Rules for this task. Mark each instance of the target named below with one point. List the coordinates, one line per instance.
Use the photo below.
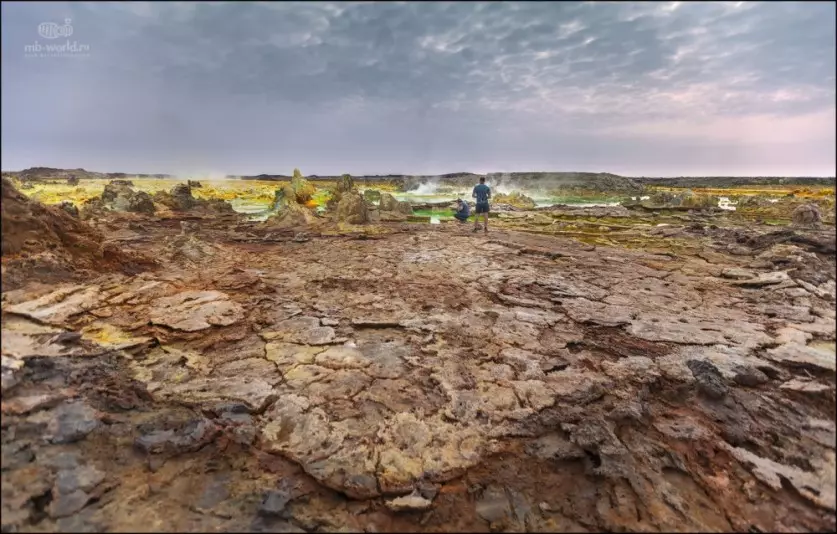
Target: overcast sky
(716, 88)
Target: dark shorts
(482, 207)
(460, 217)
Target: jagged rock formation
(299, 190)
(344, 185)
(179, 198)
(291, 204)
(348, 205)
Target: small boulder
(83, 478)
(70, 208)
(390, 203)
(71, 422)
(119, 196)
(182, 197)
(709, 379)
(218, 205)
(69, 504)
(114, 190)
(413, 502)
(352, 209)
(189, 438)
(806, 214)
(140, 202)
(749, 377)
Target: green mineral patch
(442, 213)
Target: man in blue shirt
(463, 211)
(482, 193)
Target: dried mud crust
(419, 380)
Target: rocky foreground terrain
(196, 371)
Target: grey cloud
(181, 76)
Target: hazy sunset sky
(655, 89)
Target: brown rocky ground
(47, 242)
(403, 377)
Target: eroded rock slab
(19, 346)
(303, 331)
(585, 311)
(192, 311)
(254, 392)
(817, 486)
(71, 422)
(675, 332)
(57, 307)
(764, 279)
(802, 356)
(342, 454)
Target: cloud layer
(729, 88)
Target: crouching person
(463, 211)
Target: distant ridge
(720, 181)
(602, 181)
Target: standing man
(482, 193)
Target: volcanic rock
(352, 209)
(806, 214)
(516, 199)
(389, 203)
